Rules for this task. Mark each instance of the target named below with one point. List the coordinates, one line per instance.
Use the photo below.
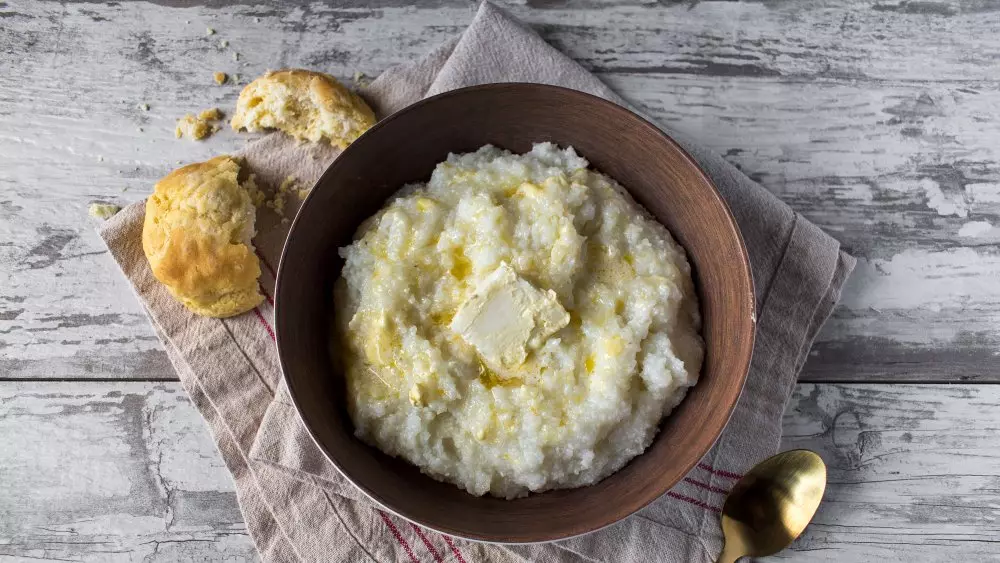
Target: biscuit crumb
(256, 20)
(100, 158)
(103, 211)
(277, 202)
(220, 77)
(209, 31)
(140, 129)
(197, 127)
(256, 195)
(360, 79)
(288, 184)
(144, 107)
(236, 56)
(211, 114)
(303, 192)
(224, 43)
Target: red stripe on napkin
(399, 537)
(427, 542)
(719, 472)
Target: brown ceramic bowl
(405, 147)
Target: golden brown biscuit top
(197, 236)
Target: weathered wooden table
(877, 119)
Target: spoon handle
(730, 553)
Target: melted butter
(380, 336)
(442, 318)
(367, 381)
(488, 430)
(526, 189)
(607, 268)
(462, 267)
(574, 319)
(490, 379)
(417, 396)
(614, 345)
(425, 204)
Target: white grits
(587, 399)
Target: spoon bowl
(771, 506)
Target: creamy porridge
(516, 324)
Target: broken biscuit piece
(309, 106)
(199, 126)
(103, 211)
(197, 237)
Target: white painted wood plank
(112, 472)
(912, 471)
(855, 113)
(124, 471)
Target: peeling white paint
(178, 439)
(118, 524)
(974, 229)
(83, 470)
(921, 280)
(38, 432)
(904, 461)
(857, 192)
(936, 199)
(983, 192)
(796, 93)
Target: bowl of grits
(514, 313)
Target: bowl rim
(730, 225)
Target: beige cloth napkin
(298, 508)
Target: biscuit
(197, 237)
(103, 211)
(199, 126)
(309, 106)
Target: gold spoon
(771, 505)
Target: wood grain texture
(875, 119)
(912, 471)
(126, 471)
(112, 472)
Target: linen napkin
(297, 506)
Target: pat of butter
(506, 315)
